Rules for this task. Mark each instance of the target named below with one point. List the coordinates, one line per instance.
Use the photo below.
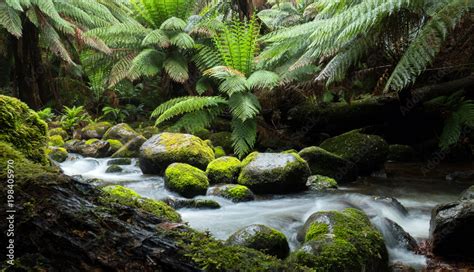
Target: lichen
(23, 129)
(223, 170)
(186, 180)
(127, 197)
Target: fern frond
(182, 40)
(10, 20)
(262, 79)
(177, 68)
(147, 63)
(244, 135)
(244, 106)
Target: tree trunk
(28, 69)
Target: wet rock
(115, 145)
(322, 162)
(149, 131)
(120, 161)
(96, 130)
(163, 149)
(73, 145)
(401, 153)
(265, 173)
(94, 149)
(121, 132)
(401, 267)
(114, 169)
(261, 238)
(130, 149)
(57, 154)
(186, 180)
(368, 152)
(234, 192)
(451, 230)
(395, 236)
(341, 241)
(195, 204)
(464, 176)
(468, 194)
(321, 183)
(223, 170)
(59, 131)
(392, 203)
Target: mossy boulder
(58, 154)
(266, 173)
(234, 192)
(120, 161)
(223, 170)
(23, 129)
(149, 131)
(130, 149)
(95, 130)
(93, 148)
(114, 169)
(222, 139)
(321, 183)
(262, 238)
(166, 148)
(322, 162)
(368, 152)
(56, 140)
(121, 132)
(401, 153)
(115, 145)
(59, 131)
(186, 180)
(195, 204)
(127, 197)
(341, 241)
(219, 151)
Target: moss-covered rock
(219, 151)
(120, 161)
(23, 129)
(224, 170)
(186, 180)
(124, 196)
(401, 153)
(280, 173)
(234, 192)
(114, 169)
(368, 152)
(321, 183)
(92, 148)
(322, 162)
(262, 238)
(95, 130)
(223, 139)
(149, 131)
(195, 204)
(115, 145)
(91, 141)
(166, 148)
(59, 131)
(341, 241)
(56, 140)
(130, 149)
(121, 132)
(58, 154)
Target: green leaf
(263, 80)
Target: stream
(288, 213)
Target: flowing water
(288, 213)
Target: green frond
(10, 20)
(203, 85)
(244, 106)
(51, 40)
(427, 43)
(244, 135)
(182, 40)
(157, 37)
(173, 24)
(191, 104)
(206, 57)
(48, 8)
(147, 63)
(167, 105)
(177, 68)
(263, 80)
(222, 72)
(155, 12)
(14, 4)
(120, 70)
(196, 121)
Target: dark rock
(95, 149)
(114, 169)
(195, 204)
(262, 238)
(131, 149)
(321, 183)
(451, 230)
(395, 236)
(401, 153)
(96, 130)
(121, 161)
(468, 194)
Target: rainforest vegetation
(237, 135)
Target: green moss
(319, 183)
(58, 131)
(401, 153)
(219, 152)
(223, 139)
(115, 145)
(197, 146)
(316, 230)
(238, 193)
(114, 169)
(122, 132)
(91, 141)
(197, 204)
(58, 154)
(130, 149)
(186, 180)
(23, 129)
(127, 197)
(99, 128)
(56, 140)
(223, 170)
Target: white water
(285, 213)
